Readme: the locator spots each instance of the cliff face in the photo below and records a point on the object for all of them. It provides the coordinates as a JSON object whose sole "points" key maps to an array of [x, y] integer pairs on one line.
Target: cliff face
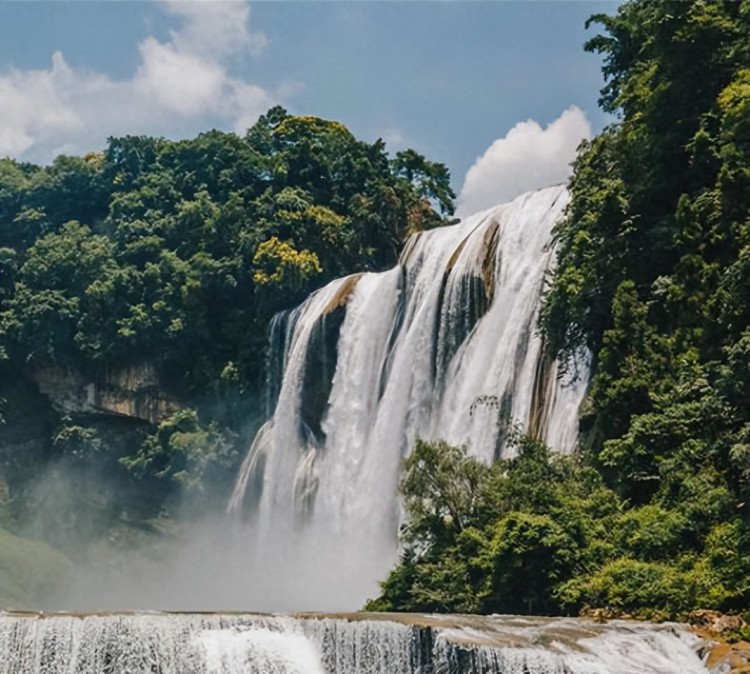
{"points": [[61, 443], [133, 392]]}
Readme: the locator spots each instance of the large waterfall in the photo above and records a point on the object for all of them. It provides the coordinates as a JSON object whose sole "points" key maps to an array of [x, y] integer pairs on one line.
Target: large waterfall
{"points": [[443, 346], [366, 644]]}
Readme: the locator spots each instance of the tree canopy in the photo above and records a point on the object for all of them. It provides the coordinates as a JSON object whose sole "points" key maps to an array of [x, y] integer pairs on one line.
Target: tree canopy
{"points": [[177, 254], [544, 534], [170, 249], [653, 280]]}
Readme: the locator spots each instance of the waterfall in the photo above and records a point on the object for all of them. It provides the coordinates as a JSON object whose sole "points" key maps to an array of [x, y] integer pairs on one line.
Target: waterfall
{"points": [[444, 346], [354, 644]]}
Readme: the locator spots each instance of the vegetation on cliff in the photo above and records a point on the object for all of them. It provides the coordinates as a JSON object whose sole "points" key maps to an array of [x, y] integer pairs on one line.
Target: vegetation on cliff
{"points": [[653, 279], [181, 251], [545, 534], [177, 253], [171, 257]]}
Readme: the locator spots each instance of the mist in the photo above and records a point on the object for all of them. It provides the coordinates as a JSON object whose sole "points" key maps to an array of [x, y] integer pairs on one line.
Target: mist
{"points": [[214, 562], [213, 565]]}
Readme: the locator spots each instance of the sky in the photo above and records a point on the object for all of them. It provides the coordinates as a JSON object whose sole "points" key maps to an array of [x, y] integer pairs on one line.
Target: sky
{"points": [[502, 92]]}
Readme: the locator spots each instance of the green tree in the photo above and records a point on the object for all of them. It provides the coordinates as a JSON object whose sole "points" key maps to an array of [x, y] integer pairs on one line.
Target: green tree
{"points": [[177, 254]]}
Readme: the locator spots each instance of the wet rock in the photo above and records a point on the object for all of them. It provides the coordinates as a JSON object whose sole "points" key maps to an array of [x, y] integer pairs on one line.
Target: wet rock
{"points": [[604, 614], [725, 655], [726, 658], [321, 357], [715, 622], [340, 299], [133, 391]]}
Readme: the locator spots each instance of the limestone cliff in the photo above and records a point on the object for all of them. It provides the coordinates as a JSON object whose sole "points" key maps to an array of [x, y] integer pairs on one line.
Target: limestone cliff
{"points": [[132, 391]]}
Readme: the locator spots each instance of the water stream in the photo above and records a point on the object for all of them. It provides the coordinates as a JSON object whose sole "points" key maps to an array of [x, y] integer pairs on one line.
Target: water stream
{"points": [[442, 347], [159, 643]]}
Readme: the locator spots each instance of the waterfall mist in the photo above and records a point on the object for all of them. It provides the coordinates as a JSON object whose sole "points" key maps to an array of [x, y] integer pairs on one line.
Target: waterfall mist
{"points": [[442, 347]]}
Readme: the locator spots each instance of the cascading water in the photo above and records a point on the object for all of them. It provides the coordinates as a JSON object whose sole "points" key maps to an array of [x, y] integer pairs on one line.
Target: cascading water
{"points": [[366, 644], [444, 346]]}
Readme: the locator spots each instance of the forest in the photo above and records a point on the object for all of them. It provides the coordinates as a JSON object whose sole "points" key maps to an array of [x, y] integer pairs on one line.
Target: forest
{"points": [[176, 254], [165, 260], [653, 279]]}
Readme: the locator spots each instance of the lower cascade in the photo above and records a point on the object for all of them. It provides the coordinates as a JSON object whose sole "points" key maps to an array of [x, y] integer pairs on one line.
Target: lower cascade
{"points": [[442, 347], [344, 644]]}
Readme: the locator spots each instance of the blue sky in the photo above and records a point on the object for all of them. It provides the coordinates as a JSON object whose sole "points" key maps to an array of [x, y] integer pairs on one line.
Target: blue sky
{"points": [[459, 81]]}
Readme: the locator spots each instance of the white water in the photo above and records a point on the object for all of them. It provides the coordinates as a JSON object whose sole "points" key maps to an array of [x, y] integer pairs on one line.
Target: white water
{"points": [[255, 644], [412, 362]]}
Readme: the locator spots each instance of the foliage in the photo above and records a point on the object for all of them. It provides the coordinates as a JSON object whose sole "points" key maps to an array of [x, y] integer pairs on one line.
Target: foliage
{"points": [[653, 262], [184, 453], [652, 280], [651, 274], [543, 534], [493, 538], [170, 249], [279, 265], [177, 254]]}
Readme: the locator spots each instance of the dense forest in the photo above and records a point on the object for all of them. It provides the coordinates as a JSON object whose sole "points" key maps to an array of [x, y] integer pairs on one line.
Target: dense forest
{"points": [[136, 287], [653, 280]]}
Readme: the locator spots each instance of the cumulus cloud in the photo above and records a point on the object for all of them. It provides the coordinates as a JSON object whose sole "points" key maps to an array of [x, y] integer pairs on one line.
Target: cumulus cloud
{"points": [[528, 157], [214, 27], [181, 85]]}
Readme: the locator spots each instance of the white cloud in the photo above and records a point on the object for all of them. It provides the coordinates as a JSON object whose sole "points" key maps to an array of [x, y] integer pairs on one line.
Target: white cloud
{"points": [[214, 27], [181, 85], [395, 139], [528, 157], [179, 81]]}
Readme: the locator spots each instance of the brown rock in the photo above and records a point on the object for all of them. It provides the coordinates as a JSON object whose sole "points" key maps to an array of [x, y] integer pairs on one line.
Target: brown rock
{"points": [[130, 392], [715, 622], [726, 657]]}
